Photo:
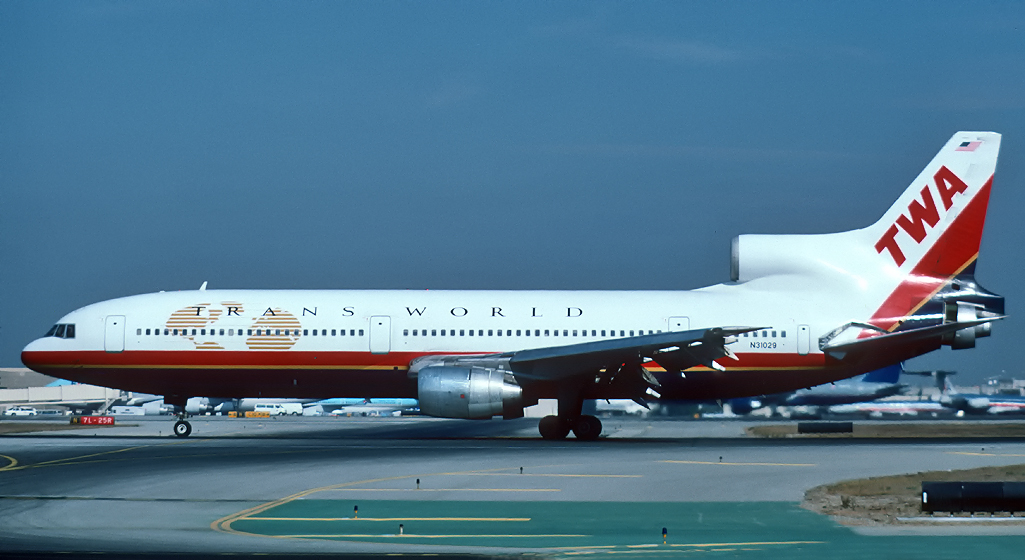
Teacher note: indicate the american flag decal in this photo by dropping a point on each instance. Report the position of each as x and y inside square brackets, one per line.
[968, 146]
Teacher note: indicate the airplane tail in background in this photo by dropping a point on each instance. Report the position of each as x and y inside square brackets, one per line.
[888, 374]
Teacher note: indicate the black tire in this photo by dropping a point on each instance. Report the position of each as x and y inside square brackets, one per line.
[553, 427]
[182, 428]
[587, 428]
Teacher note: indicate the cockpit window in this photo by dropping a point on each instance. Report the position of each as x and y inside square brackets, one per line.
[61, 330]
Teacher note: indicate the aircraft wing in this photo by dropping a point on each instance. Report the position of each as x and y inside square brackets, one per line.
[674, 351]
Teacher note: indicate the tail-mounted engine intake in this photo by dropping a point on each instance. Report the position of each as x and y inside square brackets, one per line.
[468, 392]
[959, 311]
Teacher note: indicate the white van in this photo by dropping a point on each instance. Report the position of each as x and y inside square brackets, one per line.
[272, 409]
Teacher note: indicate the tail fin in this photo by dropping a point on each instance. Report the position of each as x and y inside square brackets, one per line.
[886, 272]
[932, 233]
[888, 374]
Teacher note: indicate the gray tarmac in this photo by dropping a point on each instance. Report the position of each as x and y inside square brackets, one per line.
[136, 488]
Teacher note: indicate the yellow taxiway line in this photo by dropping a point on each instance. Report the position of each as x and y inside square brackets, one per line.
[742, 464]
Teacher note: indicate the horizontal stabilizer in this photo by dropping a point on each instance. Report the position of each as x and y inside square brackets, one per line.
[895, 344]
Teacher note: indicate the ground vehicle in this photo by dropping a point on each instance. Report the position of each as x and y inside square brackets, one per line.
[20, 411]
[273, 409]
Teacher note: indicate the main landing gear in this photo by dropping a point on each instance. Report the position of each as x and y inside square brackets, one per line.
[585, 427]
[571, 403]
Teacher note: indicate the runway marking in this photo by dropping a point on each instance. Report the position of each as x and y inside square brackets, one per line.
[559, 475]
[11, 464]
[423, 536]
[742, 464]
[444, 490]
[970, 453]
[756, 543]
[388, 519]
[223, 525]
[75, 460]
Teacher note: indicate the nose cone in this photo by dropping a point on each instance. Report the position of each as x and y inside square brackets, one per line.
[33, 354]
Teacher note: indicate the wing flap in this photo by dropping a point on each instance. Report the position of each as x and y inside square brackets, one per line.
[675, 351]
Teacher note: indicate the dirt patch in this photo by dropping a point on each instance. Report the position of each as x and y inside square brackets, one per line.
[27, 427]
[902, 430]
[881, 500]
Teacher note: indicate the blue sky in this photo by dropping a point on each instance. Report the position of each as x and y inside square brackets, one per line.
[150, 146]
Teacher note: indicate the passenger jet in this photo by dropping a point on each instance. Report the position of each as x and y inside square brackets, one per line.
[801, 310]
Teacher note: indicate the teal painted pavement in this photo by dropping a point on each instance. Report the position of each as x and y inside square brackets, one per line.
[569, 529]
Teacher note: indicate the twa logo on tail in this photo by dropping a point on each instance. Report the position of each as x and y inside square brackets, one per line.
[923, 213]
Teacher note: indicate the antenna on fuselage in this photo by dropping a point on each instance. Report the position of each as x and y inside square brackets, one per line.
[203, 287]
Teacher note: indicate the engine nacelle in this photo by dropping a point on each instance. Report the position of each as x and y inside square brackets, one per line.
[965, 338]
[468, 392]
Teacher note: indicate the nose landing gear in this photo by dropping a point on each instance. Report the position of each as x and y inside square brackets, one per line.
[182, 428]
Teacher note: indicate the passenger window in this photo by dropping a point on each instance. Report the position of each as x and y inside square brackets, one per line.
[518, 332]
[462, 332]
[491, 332]
[594, 333]
[442, 332]
[631, 333]
[405, 332]
[574, 332]
[434, 332]
[203, 332]
[783, 334]
[546, 332]
[480, 332]
[175, 332]
[622, 333]
[231, 332]
[194, 332]
[147, 331]
[341, 332]
[603, 333]
[499, 332]
[773, 334]
[305, 332]
[537, 332]
[765, 334]
[471, 332]
[138, 331]
[249, 332]
[361, 332]
[555, 332]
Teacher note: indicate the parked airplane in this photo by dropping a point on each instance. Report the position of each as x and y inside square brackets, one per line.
[811, 308]
[368, 407]
[978, 403]
[873, 385]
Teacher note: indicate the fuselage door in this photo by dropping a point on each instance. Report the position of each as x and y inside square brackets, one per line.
[380, 334]
[677, 324]
[803, 340]
[114, 334]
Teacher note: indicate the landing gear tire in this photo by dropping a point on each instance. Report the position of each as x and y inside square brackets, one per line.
[553, 427]
[182, 428]
[587, 428]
